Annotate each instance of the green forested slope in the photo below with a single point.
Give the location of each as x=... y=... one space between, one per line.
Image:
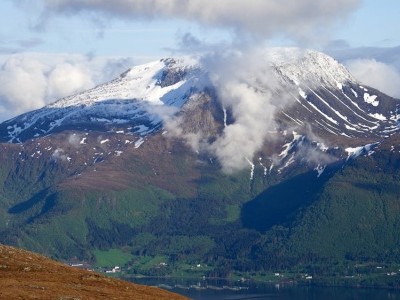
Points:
x=193 y=214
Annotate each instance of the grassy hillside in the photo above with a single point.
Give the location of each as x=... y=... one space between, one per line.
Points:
x=26 y=275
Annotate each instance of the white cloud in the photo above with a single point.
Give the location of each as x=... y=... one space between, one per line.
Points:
x=31 y=80
x=246 y=89
x=59 y=154
x=378 y=67
x=23 y=84
x=66 y=79
x=379 y=75
x=300 y=19
x=244 y=86
x=74 y=140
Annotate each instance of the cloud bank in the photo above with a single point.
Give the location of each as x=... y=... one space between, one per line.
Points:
x=30 y=81
x=379 y=75
x=374 y=66
x=300 y=19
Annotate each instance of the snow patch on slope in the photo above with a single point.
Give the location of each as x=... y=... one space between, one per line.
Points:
x=289 y=146
x=252 y=166
x=320 y=169
x=362 y=150
x=371 y=99
x=378 y=117
x=139 y=142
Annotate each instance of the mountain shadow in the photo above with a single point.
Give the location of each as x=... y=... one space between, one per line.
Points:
x=30 y=203
x=36 y=206
x=280 y=204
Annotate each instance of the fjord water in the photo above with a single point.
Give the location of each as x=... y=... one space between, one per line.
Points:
x=229 y=290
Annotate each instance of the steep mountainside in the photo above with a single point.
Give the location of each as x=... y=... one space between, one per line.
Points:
x=99 y=170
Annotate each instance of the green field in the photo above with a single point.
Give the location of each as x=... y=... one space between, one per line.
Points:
x=112 y=257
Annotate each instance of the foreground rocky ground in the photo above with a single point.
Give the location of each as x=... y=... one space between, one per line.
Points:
x=25 y=275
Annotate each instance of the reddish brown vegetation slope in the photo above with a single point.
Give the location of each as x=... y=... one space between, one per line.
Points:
x=25 y=275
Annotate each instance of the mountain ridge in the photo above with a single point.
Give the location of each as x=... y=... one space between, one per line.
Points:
x=154 y=186
x=142 y=97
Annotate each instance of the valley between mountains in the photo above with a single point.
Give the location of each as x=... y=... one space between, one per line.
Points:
x=166 y=167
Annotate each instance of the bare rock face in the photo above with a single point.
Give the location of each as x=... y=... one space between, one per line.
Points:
x=171 y=75
x=202 y=114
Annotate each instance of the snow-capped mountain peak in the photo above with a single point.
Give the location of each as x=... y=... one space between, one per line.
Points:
x=328 y=98
x=308 y=67
x=130 y=100
x=148 y=82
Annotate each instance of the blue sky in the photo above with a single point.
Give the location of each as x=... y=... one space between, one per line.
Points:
x=373 y=23
x=46 y=40
x=143 y=39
